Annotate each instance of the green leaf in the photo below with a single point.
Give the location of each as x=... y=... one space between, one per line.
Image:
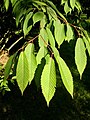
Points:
x=8 y=67
x=6 y=3
x=52 y=13
x=65 y=75
x=69 y=33
x=72 y=3
x=48 y=80
x=67 y=8
x=29 y=52
x=50 y=37
x=59 y=32
x=43 y=38
x=22 y=72
x=87 y=43
x=80 y=56
x=38 y=16
x=42 y=53
x=26 y=29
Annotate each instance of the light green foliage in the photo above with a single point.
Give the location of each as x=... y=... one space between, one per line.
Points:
x=65 y=75
x=41 y=54
x=22 y=73
x=32 y=63
x=69 y=33
x=52 y=30
x=59 y=32
x=48 y=80
x=80 y=56
x=6 y=3
x=43 y=38
x=38 y=16
x=27 y=28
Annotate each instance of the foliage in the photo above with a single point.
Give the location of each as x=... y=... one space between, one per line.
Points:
x=54 y=29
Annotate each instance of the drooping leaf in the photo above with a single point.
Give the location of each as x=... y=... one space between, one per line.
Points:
x=80 y=56
x=51 y=13
x=38 y=16
x=8 y=67
x=43 y=38
x=65 y=75
x=48 y=80
x=50 y=37
x=87 y=43
x=6 y=3
x=69 y=33
x=22 y=72
x=72 y=3
x=42 y=53
x=66 y=8
x=59 y=32
x=27 y=28
x=29 y=52
x=38 y=73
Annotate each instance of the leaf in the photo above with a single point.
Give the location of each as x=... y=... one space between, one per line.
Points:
x=80 y=56
x=43 y=38
x=72 y=3
x=6 y=3
x=8 y=67
x=22 y=72
x=67 y=8
x=42 y=53
x=52 y=13
x=65 y=75
x=38 y=73
x=50 y=37
x=59 y=32
x=29 y=52
x=48 y=80
x=38 y=16
x=26 y=29
x=87 y=43
x=69 y=33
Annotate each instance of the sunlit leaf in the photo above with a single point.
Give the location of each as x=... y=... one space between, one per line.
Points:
x=59 y=32
x=38 y=16
x=32 y=64
x=65 y=75
x=72 y=3
x=43 y=38
x=80 y=56
x=67 y=8
x=41 y=53
x=69 y=33
x=6 y=3
x=50 y=37
x=22 y=73
x=48 y=80
x=27 y=28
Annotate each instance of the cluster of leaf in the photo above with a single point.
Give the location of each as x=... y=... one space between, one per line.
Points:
x=54 y=29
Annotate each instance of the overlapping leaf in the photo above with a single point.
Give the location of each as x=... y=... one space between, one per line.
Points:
x=48 y=80
x=80 y=56
x=32 y=64
x=27 y=28
x=22 y=73
x=43 y=38
x=69 y=33
x=72 y=3
x=38 y=16
x=59 y=32
x=42 y=53
x=65 y=75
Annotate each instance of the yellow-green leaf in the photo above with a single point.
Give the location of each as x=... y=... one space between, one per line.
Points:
x=72 y=3
x=43 y=38
x=80 y=56
x=48 y=80
x=6 y=3
x=65 y=75
x=38 y=16
x=59 y=32
x=41 y=53
x=29 y=52
x=22 y=72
